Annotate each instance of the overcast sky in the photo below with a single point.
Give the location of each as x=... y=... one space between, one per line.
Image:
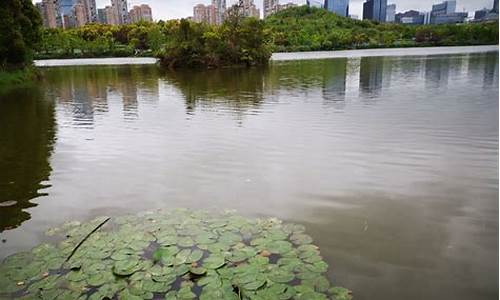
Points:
x=173 y=9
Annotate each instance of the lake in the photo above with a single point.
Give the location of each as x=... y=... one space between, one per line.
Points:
x=390 y=162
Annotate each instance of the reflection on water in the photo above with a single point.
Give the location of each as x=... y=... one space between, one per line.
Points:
x=27 y=130
x=392 y=163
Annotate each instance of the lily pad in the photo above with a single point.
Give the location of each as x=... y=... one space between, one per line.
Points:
x=127 y=267
x=179 y=254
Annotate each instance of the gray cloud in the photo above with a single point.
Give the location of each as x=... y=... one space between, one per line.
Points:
x=172 y=9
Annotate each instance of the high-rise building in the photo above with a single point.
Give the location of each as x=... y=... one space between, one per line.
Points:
x=101 y=16
x=111 y=16
x=339 y=7
x=269 y=7
x=83 y=12
x=80 y=14
x=121 y=11
x=315 y=3
x=390 y=13
x=250 y=10
x=140 y=13
x=375 y=10
x=50 y=12
x=205 y=14
x=90 y=10
x=66 y=7
x=444 y=13
x=411 y=17
x=220 y=7
x=444 y=8
x=199 y=13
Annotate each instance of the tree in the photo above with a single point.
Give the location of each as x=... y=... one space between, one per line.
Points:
x=20 y=33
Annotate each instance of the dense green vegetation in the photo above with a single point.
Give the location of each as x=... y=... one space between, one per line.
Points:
x=249 y=41
x=239 y=41
x=20 y=32
x=20 y=27
x=309 y=29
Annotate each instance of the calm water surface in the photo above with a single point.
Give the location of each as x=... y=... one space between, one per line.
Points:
x=390 y=162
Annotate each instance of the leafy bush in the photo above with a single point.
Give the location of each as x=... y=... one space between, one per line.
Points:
x=20 y=25
x=236 y=42
x=306 y=28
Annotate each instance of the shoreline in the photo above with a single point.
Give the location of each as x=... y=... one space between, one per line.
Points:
x=284 y=56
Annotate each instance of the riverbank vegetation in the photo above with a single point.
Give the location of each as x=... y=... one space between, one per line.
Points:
x=239 y=41
x=310 y=29
x=20 y=32
x=250 y=41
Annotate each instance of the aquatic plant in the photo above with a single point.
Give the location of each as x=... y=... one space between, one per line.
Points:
x=179 y=254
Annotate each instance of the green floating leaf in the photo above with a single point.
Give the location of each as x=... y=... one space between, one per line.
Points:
x=214 y=262
x=127 y=267
x=198 y=271
x=172 y=254
x=340 y=293
x=300 y=238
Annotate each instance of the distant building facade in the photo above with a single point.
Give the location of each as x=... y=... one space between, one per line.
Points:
x=121 y=11
x=205 y=14
x=220 y=9
x=315 y=3
x=375 y=10
x=249 y=9
x=269 y=7
x=485 y=14
x=411 y=17
x=140 y=13
x=111 y=15
x=339 y=7
x=101 y=16
x=391 y=13
x=444 y=13
x=50 y=12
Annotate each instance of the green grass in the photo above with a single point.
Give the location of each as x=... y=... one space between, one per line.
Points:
x=16 y=78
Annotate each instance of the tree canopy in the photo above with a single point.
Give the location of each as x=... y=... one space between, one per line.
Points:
x=20 y=32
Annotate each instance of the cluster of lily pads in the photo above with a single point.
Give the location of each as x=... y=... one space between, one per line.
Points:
x=178 y=254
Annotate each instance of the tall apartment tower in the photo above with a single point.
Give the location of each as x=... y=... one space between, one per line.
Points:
x=80 y=14
x=339 y=7
x=121 y=11
x=90 y=10
x=270 y=7
x=220 y=10
x=444 y=8
x=140 y=13
x=49 y=9
x=110 y=15
x=390 y=13
x=375 y=10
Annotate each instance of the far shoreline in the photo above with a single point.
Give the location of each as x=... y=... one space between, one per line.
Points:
x=284 y=56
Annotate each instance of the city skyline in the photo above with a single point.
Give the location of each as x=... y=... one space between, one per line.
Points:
x=175 y=9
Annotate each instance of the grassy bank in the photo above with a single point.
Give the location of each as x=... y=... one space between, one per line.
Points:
x=16 y=78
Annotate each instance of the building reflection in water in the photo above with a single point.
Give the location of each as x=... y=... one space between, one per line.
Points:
x=371 y=75
x=334 y=87
x=86 y=91
x=437 y=72
x=27 y=133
